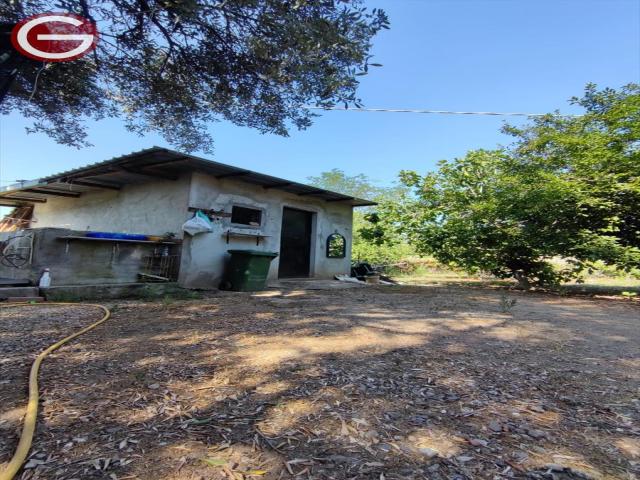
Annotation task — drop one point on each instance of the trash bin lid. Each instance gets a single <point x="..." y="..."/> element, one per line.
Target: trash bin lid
<point x="255" y="253"/>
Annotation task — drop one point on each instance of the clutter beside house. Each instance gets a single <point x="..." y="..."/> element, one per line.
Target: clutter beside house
<point x="162" y="216"/>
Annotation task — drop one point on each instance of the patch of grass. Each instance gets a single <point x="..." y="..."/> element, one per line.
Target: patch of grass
<point x="598" y="283"/>
<point x="167" y="295"/>
<point x="68" y="298"/>
<point x="183" y="294"/>
<point x="615" y="281"/>
<point x="609" y="290"/>
<point x="448" y="277"/>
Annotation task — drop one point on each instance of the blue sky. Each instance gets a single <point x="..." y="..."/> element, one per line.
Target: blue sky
<point x="498" y="55"/>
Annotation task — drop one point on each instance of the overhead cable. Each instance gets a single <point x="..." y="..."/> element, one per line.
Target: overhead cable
<point x="440" y="112"/>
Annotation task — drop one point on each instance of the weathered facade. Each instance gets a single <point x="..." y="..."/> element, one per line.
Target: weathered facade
<point x="155" y="193"/>
<point x="157" y="206"/>
<point x="202" y="252"/>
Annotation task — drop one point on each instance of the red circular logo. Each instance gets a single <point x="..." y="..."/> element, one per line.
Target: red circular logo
<point x="54" y="37"/>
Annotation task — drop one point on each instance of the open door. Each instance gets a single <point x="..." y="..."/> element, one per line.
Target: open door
<point x="295" y="243"/>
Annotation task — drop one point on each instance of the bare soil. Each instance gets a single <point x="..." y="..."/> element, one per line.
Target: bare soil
<point x="369" y="383"/>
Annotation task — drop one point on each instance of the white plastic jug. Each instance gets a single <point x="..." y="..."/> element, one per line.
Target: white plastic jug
<point x="45" y="279"/>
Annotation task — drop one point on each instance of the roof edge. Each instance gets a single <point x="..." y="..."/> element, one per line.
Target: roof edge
<point x="279" y="183"/>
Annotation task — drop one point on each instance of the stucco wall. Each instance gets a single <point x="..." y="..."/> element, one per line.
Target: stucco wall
<point x="162" y="206"/>
<point x="151" y="208"/>
<point x="204" y="256"/>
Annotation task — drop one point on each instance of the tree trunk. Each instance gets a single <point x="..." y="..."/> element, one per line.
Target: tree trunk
<point x="523" y="281"/>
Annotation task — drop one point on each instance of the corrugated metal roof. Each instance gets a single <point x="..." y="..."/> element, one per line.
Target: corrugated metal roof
<point x="143" y="166"/>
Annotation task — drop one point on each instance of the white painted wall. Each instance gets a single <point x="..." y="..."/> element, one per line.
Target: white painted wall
<point x="157" y="207"/>
<point x="151" y="208"/>
<point x="204" y="256"/>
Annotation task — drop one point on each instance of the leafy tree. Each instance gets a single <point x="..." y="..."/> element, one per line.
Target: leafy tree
<point x="568" y="187"/>
<point x="476" y="214"/>
<point x="375" y="237"/>
<point x="173" y="66"/>
<point x="359" y="186"/>
<point x="597" y="156"/>
<point x="377" y="243"/>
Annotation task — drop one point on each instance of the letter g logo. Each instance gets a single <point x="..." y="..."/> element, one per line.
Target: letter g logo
<point x="54" y="37"/>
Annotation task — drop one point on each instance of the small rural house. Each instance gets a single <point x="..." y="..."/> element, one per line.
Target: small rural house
<point x="120" y="221"/>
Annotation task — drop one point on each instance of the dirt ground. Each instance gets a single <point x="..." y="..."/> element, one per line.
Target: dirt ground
<point x="394" y="382"/>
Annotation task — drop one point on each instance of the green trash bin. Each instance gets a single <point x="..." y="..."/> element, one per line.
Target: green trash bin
<point x="247" y="270"/>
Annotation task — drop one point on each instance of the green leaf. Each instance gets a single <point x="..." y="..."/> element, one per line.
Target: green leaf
<point x="276" y="57"/>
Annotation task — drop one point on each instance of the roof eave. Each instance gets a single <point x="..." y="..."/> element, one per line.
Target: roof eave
<point x="124" y="163"/>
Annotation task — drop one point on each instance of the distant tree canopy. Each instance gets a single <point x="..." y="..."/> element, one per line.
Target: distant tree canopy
<point x="172" y="67"/>
<point x="336" y="180"/>
<point x="567" y="187"/>
<point x="375" y="239"/>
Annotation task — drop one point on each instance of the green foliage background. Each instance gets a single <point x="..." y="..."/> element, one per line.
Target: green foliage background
<point x="567" y="188"/>
<point x="174" y="67"/>
<point x="374" y="239"/>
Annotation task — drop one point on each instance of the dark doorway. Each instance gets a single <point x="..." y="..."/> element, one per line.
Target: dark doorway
<point x="295" y="243"/>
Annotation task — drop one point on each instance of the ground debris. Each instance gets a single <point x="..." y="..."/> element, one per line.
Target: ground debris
<point x="379" y="383"/>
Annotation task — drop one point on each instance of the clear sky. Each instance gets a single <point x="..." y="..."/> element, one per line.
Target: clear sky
<point x="486" y="55"/>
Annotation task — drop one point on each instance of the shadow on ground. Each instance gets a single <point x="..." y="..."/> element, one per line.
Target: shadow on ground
<point x="380" y="382"/>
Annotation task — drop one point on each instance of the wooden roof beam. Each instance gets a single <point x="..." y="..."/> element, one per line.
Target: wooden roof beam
<point x="108" y="167"/>
<point x="144" y="173"/>
<point x="315" y="192"/>
<point x="340" y="199"/>
<point x="156" y="163"/>
<point x="84" y="183"/>
<point x="233" y="174"/>
<point x="44" y="191"/>
<point x="24" y="200"/>
<point x="277" y="185"/>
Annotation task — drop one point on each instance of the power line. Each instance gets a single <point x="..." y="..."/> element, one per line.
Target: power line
<point x="440" y="112"/>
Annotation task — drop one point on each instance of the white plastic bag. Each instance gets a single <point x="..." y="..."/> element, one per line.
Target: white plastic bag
<point x="200" y="223"/>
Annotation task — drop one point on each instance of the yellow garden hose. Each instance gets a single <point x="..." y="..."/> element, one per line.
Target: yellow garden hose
<point x="31" y="415"/>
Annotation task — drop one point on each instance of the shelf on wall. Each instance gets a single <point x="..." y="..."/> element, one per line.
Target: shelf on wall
<point x="229" y="233"/>
<point x="116" y="240"/>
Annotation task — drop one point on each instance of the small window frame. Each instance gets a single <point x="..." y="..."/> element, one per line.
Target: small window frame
<point x="344" y="245"/>
<point x="246" y="208"/>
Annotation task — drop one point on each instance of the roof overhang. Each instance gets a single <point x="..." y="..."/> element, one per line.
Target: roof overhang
<point x="152" y="164"/>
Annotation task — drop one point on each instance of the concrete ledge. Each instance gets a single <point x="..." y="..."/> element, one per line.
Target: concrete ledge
<point x="25" y="299"/>
<point x="8" y="292"/>
<point x="64" y="293"/>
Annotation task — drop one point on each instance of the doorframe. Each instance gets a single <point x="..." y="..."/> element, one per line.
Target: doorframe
<point x="312" y="238"/>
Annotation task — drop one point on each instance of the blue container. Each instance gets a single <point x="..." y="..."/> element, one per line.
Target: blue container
<point x="117" y="236"/>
